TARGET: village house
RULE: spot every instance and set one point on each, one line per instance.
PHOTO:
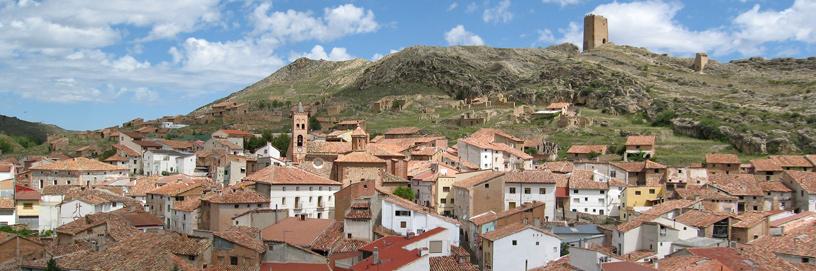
(259, 218)
(803, 186)
(594, 197)
(405, 217)
(127, 157)
(493, 149)
(792, 162)
(586, 152)
(402, 132)
(162, 199)
(711, 199)
(649, 235)
(185, 216)
(709, 224)
(227, 108)
(8, 214)
(405, 253)
(443, 187)
(81, 201)
(722, 163)
(794, 246)
(27, 206)
(302, 192)
(743, 186)
(680, 177)
(480, 224)
(750, 226)
(766, 169)
(15, 248)
(580, 235)
(477, 192)
(349, 124)
(165, 162)
(291, 240)
(531, 186)
(217, 210)
(777, 196)
(102, 229)
(7, 171)
(639, 145)
(238, 248)
(78, 171)
(519, 247)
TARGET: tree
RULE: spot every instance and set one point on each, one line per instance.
(314, 124)
(52, 265)
(564, 249)
(281, 142)
(637, 157)
(106, 154)
(404, 192)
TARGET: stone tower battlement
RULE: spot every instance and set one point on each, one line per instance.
(596, 31)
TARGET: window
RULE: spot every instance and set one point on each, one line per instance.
(402, 213)
(446, 189)
(348, 235)
(575, 191)
(603, 191)
(613, 174)
(237, 206)
(113, 204)
(576, 200)
(527, 190)
(435, 246)
(233, 260)
(443, 201)
(28, 205)
(542, 190)
(755, 208)
(637, 193)
(586, 199)
(651, 191)
(452, 201)
(403, 224)
(487, 185)
(515, 242)
(536, 243)
(512, 190)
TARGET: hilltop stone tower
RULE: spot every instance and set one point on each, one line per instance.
(700, 60)
(300, 134)
(596, 31)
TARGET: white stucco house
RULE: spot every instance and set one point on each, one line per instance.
(803, 187)
(531, 185)
(302, 192)
(590, 196)
(656, 234)
(405, 217)
(158, 162)
(519, 247)
(493, 149)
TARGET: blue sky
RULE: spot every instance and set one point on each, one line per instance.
(89, 66)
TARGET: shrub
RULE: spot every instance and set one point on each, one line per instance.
(404, 192)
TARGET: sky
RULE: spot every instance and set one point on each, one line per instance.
(87, 65)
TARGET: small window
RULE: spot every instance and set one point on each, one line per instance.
(233, 260)
(542, 190)
(527, 190)
(603, 191)
(237, 206)
(403, 224)
(348, 235)
(512, 190)
(487, 185)
(637, 193)
(28, 206)
(575, 191)
(651, 191)
(446, 189)
(515, 242)
(443, 201)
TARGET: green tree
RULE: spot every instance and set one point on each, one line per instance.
(564, 249)
(592, 155)
(281, 142)
(5, 147)
(637, 157)
(314, 124)
(404, 192)
(52, 265)
(106, 154)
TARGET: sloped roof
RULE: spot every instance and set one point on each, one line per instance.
(668, 206)
(78, 164)
(583, 179)
(510, 230)
(476, 178)
(765, 165)
(117, 227)
(359, 157)
(188, 205)
(288, 175)
(699, 193)
(736, 184)
(559, 166)
(639, 140)
(173, 189)
(402, 131)
(534, 176)
(293, 230)
(243, 236)
(328, 147)
(721, 158)
(749, 219)
(700, 218)
(806, 180)
(775, 186)
(791, 161)
(585, 149)
(231, 196)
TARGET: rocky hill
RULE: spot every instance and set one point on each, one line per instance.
(758, 106)
(39, 132)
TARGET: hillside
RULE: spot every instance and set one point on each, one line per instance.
(756, 106)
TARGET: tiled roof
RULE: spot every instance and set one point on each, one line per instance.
(489, 216)
(78, 164)
(400, 241)
(243, 236)
(140, 218)
(238, 133)
(791, 161)
(173, 189)
(638, 140)
(230, 196)
(97, 196)
(765, 165)
(585, 149)
(450, 263)
(668, 206)
(583, 179)
(6, 167)
(295, 266)
(749, 219)
(626, 266)
(743, 258)
(491, 133)
(288, 175)
(802, 215)
(736, 184)
(147, 144)
(116, 158)
(402, 131)
(147, 251)
(117, 227)
(700, 218)
(326, 147)
(509, 230)
(410, 205)
(774, 187)
(800, 241)
(59, 189)
(635, 222)
(476, 178)
(721, 158)
(385, 150)
(699, 193)
(176, 144)
(562, 264)
(479, 142)
(325, 242)
(559, 166)
(806, 180)
(25, 193)
(359, 157)
(293, 230)
(534, 176)
(188, 205)
(688, 263)
(142, 185)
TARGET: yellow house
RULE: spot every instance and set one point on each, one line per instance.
(639, 196)
(444, 189)
(27, 203)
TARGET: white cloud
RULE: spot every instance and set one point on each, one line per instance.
(471, 7)
(796, 23)
(498, 14)
(453, 6)
(563, 2)
(545, 36)
(317, 53)
(128, 64)
(459, 36)
(378, 56)
(294, 26)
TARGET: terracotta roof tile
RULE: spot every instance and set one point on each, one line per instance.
(558, 105)
(668, 206)
(117, 227)
(293, 230)
(470, 180)
(534, 176)
(324, 147)
(174, 189)
(774, 187)
(700, 218)
(142, 185)
(116, 158)
(188, 205)
(749, 219)
(586, 149)
(288, 175)
(583, 179)
(743, 258)
(295, 267)
(509, 230)
(176, 144)
(762, 165)
(807, 215)
(559, 166)
(402, 131)
(688, 263)
(359, 157)
(792, 161)
(59, 189)
(237, 133)
(721, 158)
(140, 218)
(410, 205)
(25, 193)
(806, 180)
(490, 216)
(450, 263)
(562, 264)
(6, 203)
(736, 184)
(326, 241)
(699, 193)
(78, 164)
(638, 140)
(628, 266)
(243, 236)
(230, 196)
(634, 223)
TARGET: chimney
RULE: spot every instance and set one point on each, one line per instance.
(375, 260)
(422, 252)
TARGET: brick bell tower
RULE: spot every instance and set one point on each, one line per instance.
(300, 134)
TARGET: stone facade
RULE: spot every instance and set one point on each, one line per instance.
(596, 31)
